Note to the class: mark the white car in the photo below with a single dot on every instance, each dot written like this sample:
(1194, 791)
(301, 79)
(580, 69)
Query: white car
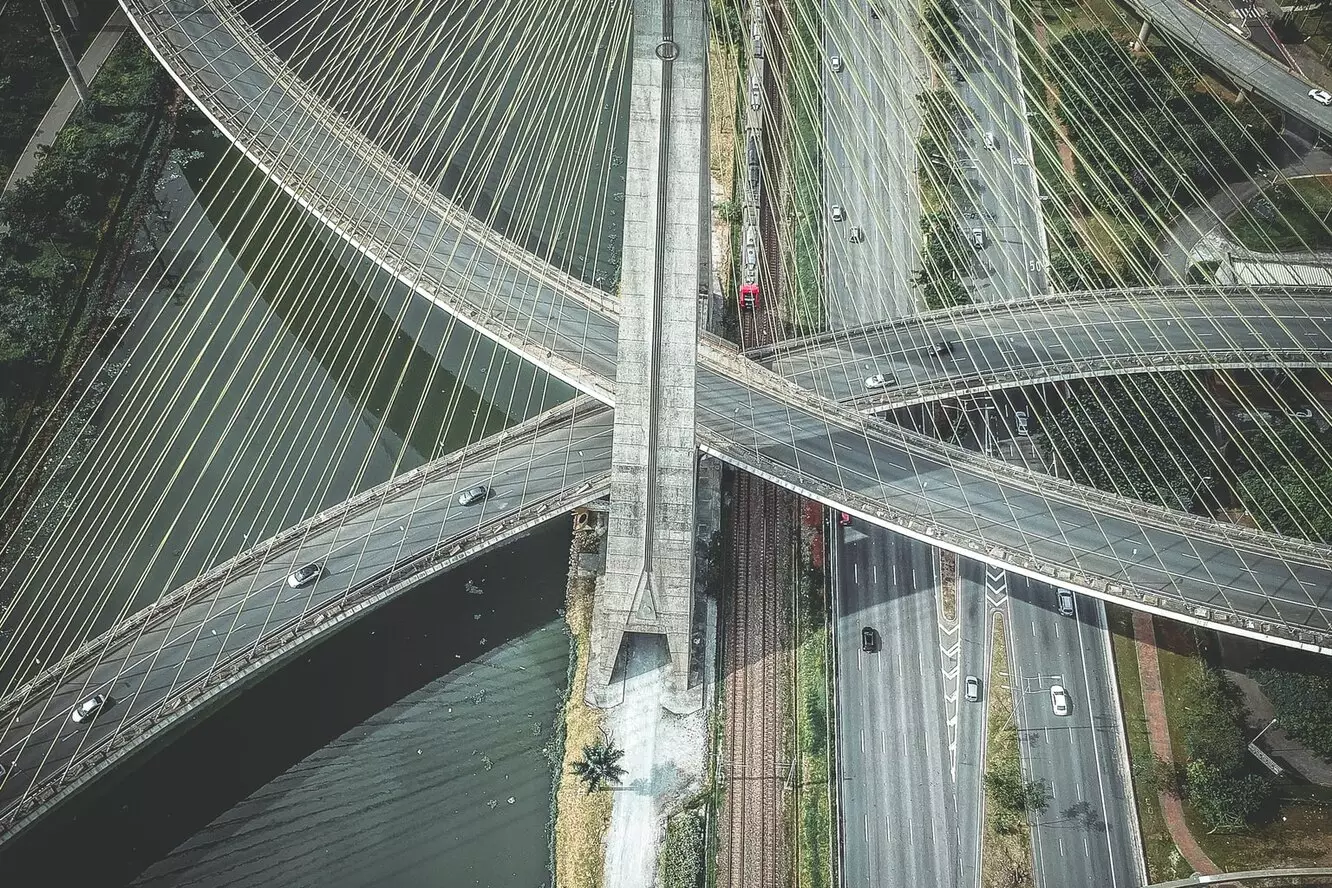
(306, 575)
(878, 381)
(87, 709)
(473, 495)
(1059, 700)
(835, 62)
(1321, 96)
(973, 689)
(837, 214)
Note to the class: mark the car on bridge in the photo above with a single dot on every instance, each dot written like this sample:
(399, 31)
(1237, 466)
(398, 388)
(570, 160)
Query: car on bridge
(1321, 96)
(1066, 606)
(87, 709)
(473, 495)
(306, 575)
(941, 349)
(879, 380)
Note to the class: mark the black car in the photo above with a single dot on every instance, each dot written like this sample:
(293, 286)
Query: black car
(942, 348)
(869, 640)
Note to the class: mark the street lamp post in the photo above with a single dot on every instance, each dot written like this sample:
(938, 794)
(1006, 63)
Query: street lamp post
(71, 66)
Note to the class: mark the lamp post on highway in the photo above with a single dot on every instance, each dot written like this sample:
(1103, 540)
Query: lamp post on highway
(62, 46)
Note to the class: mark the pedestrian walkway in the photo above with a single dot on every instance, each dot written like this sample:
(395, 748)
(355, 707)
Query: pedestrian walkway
(1153, 699)
(61, 109)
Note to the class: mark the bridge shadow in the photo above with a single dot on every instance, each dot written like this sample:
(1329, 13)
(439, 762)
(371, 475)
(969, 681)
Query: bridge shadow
(123, 823)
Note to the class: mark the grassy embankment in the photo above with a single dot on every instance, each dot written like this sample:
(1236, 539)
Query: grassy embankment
(581, 818)
(813, 828)
(1291, 217)
(31, 71)
(1164, 861)
(1296, 829)
(70, 229)
(804, 93)
(1005, 842)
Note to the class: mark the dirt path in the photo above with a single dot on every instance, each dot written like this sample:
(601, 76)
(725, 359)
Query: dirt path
(1149, 670)
(755, 848)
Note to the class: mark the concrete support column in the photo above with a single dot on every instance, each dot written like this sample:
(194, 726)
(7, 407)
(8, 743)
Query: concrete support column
(1143, 32)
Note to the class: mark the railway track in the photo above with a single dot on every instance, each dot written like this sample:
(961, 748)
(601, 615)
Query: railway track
(755, 849)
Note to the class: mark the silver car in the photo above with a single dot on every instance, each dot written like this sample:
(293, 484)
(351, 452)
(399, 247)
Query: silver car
(1059, 700)
(973, 689)
(878, 380)
(87, 709)
(306, 575)
(473, 495)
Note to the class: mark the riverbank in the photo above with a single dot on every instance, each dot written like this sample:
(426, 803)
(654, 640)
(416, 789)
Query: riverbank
(578, 856)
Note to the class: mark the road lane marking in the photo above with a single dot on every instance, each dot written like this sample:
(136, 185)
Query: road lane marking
(1061, 846)
(862, 739)
(875, 568)
(855, 572)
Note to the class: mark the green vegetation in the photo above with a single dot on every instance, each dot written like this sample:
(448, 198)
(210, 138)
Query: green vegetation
(1284, 482)
(1198, 141)
(1219, 782)
(1138, 436)
(680, 862)
(31, 74)
(61, 255)
(599, 765)
(804, 94)
(1164, 862)
(943, 39)
(943, 251)
(1299, 686)
(814, 803)
(1005, 833)
(727, 21)
(1291, 216)
(581, 818)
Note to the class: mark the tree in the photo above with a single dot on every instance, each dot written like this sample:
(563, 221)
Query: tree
(599, 765)
(1225, 800)
(1300, 688)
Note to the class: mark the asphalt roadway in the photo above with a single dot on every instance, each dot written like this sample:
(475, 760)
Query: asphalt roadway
(897, 823)
(975, 606)
(39, 740)
(870, 121)
(1011, 264)
(1063, 337)
(1243, 63)
(1083, 837)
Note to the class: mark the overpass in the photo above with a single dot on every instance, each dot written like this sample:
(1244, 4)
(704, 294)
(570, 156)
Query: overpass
(209, 640)
(1059, 337)
(1245, 65)
(1217, 574)
(1221, 576)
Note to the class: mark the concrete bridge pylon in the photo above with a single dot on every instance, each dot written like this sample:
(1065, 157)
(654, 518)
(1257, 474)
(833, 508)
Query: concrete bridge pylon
(648, 585)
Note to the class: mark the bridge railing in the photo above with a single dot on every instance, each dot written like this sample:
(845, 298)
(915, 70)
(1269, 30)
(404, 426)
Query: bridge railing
(207, 584)
(788, 347)
(890, 399)
(307, 113)
(283, 640)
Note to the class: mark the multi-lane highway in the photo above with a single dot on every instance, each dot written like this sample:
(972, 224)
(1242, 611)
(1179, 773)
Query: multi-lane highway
(250, 599)
(897, 823)
(870, 122)
(1086, 834)
(1086, 334)
(995, 148)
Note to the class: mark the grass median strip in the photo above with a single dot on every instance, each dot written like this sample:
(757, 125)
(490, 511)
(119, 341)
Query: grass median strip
(1005, 835)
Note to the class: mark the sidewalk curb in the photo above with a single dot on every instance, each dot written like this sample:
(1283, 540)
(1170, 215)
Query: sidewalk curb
(1126, 767)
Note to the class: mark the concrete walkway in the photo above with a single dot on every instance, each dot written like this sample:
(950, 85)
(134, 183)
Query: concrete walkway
(61, 109)
(1149, 673)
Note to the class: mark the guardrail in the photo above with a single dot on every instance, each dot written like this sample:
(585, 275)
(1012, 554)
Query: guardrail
(960, 387)
(281, 642)
(208, 583)
(1033, 304)
(356, 228)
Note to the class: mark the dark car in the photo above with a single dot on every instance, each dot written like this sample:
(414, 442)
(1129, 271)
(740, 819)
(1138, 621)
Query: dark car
(869, 640)
(306, 575)
(942, 348)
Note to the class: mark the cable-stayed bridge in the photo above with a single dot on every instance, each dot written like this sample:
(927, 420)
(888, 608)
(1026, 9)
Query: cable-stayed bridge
(1200, 570)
